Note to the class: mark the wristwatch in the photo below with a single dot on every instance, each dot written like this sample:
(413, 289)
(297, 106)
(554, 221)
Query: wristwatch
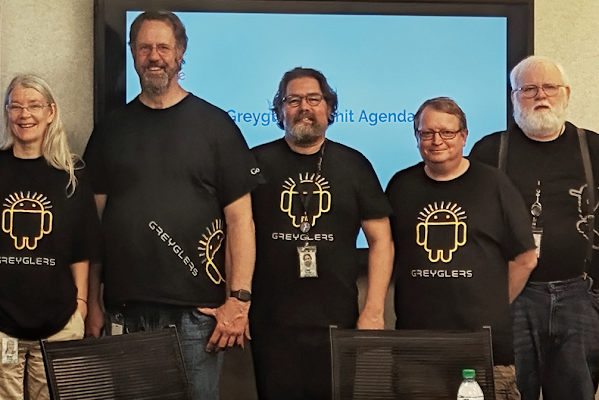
(242, 295)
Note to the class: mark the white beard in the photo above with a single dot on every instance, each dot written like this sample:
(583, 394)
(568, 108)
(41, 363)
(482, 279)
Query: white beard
(540, 123)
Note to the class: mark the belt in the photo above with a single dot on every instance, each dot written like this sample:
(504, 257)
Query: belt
(579, 283)
(582, 277)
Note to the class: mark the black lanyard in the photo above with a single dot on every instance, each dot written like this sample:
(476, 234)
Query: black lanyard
(306, 199)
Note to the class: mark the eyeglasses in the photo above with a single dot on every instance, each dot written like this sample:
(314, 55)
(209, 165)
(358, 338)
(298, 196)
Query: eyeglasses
(312, 99)
(16, 109)
(445, 135)
(530, 91)
(145, 49)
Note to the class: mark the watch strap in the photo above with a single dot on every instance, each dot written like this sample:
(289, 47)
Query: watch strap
(241, 295)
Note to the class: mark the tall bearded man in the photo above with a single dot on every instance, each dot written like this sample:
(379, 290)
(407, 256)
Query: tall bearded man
(172, 176)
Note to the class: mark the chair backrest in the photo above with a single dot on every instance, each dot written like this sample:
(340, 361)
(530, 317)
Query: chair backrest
(408, 364)
(145, 365)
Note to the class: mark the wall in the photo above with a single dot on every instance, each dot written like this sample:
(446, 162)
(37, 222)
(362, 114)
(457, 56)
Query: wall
(54, 39)
(569, 32)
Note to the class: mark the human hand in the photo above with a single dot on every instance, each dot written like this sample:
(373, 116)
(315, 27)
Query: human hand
(94, 322)
(232, 325)
(371, 320)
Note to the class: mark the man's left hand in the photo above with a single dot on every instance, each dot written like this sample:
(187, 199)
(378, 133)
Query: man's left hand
(371, 320)
(232, 325)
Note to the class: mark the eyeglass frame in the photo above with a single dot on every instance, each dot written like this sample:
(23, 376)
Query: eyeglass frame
(146, 49)
(301, 99)
(21, 108)
(453, 134)
(537, 88)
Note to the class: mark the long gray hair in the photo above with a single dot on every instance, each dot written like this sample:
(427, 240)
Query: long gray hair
(55, 148)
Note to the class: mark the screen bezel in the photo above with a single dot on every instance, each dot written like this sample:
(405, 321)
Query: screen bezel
(110, 29)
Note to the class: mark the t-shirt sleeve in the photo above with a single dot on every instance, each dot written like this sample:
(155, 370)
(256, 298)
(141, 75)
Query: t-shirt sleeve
(237, 169)
(371, 198)
(517, 238)
(392, 193)
(86, 230)
(94, 161)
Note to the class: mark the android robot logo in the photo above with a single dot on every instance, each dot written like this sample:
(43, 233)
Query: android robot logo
(583, 223)
(209, 247)
(27, 219)
(311, 191)
(441, 231)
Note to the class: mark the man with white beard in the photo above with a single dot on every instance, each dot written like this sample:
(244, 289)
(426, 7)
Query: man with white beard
(556, 323)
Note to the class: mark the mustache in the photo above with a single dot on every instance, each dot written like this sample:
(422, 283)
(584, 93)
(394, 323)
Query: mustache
(305, 114)
(543, 104)
(151, 63)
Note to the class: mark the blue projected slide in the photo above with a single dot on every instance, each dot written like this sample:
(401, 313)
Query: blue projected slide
(382, 66)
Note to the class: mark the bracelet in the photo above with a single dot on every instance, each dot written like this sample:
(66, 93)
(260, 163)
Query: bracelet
(83, 300)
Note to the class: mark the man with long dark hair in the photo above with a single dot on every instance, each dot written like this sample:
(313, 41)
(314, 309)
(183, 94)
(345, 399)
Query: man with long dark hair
(318, 195)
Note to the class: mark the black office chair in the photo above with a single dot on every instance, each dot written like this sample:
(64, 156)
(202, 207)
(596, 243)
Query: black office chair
(408, 364)
(145, 365)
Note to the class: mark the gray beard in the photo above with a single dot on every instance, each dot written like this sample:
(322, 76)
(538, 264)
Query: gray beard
(155, 85)
(304, 135)
(539, 124)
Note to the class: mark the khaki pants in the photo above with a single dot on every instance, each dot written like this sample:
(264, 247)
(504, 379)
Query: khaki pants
(28, 366)
(505, 383)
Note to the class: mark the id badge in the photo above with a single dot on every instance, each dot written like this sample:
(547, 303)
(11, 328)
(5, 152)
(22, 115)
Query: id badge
(117, 324)
(116, 329)
(307, 261)
(537, 234)
(10, 350)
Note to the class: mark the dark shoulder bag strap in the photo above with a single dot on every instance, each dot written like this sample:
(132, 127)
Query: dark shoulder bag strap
(503, 142)
(588, 172)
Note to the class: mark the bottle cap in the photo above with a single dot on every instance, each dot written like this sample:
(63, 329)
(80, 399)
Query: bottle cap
(468, 373)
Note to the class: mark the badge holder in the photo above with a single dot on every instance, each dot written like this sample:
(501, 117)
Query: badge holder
(307, 261)
(116, 324)
(307, 254)
(10, 350)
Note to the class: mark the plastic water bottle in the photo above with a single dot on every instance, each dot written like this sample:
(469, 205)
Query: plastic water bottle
(469, 389)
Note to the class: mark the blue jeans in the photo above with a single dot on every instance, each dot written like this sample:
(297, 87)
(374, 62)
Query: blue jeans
(194, 328)
(556, 340)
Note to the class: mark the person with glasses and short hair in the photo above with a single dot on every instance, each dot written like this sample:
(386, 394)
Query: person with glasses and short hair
(49, 234)
(463, 244)
(556, 324)
(318, 195)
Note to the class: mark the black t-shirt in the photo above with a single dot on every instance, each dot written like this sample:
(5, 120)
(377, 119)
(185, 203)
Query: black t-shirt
(43, 232)
(453, 240)
(345, 193)
(168, 174)
(558, 166)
